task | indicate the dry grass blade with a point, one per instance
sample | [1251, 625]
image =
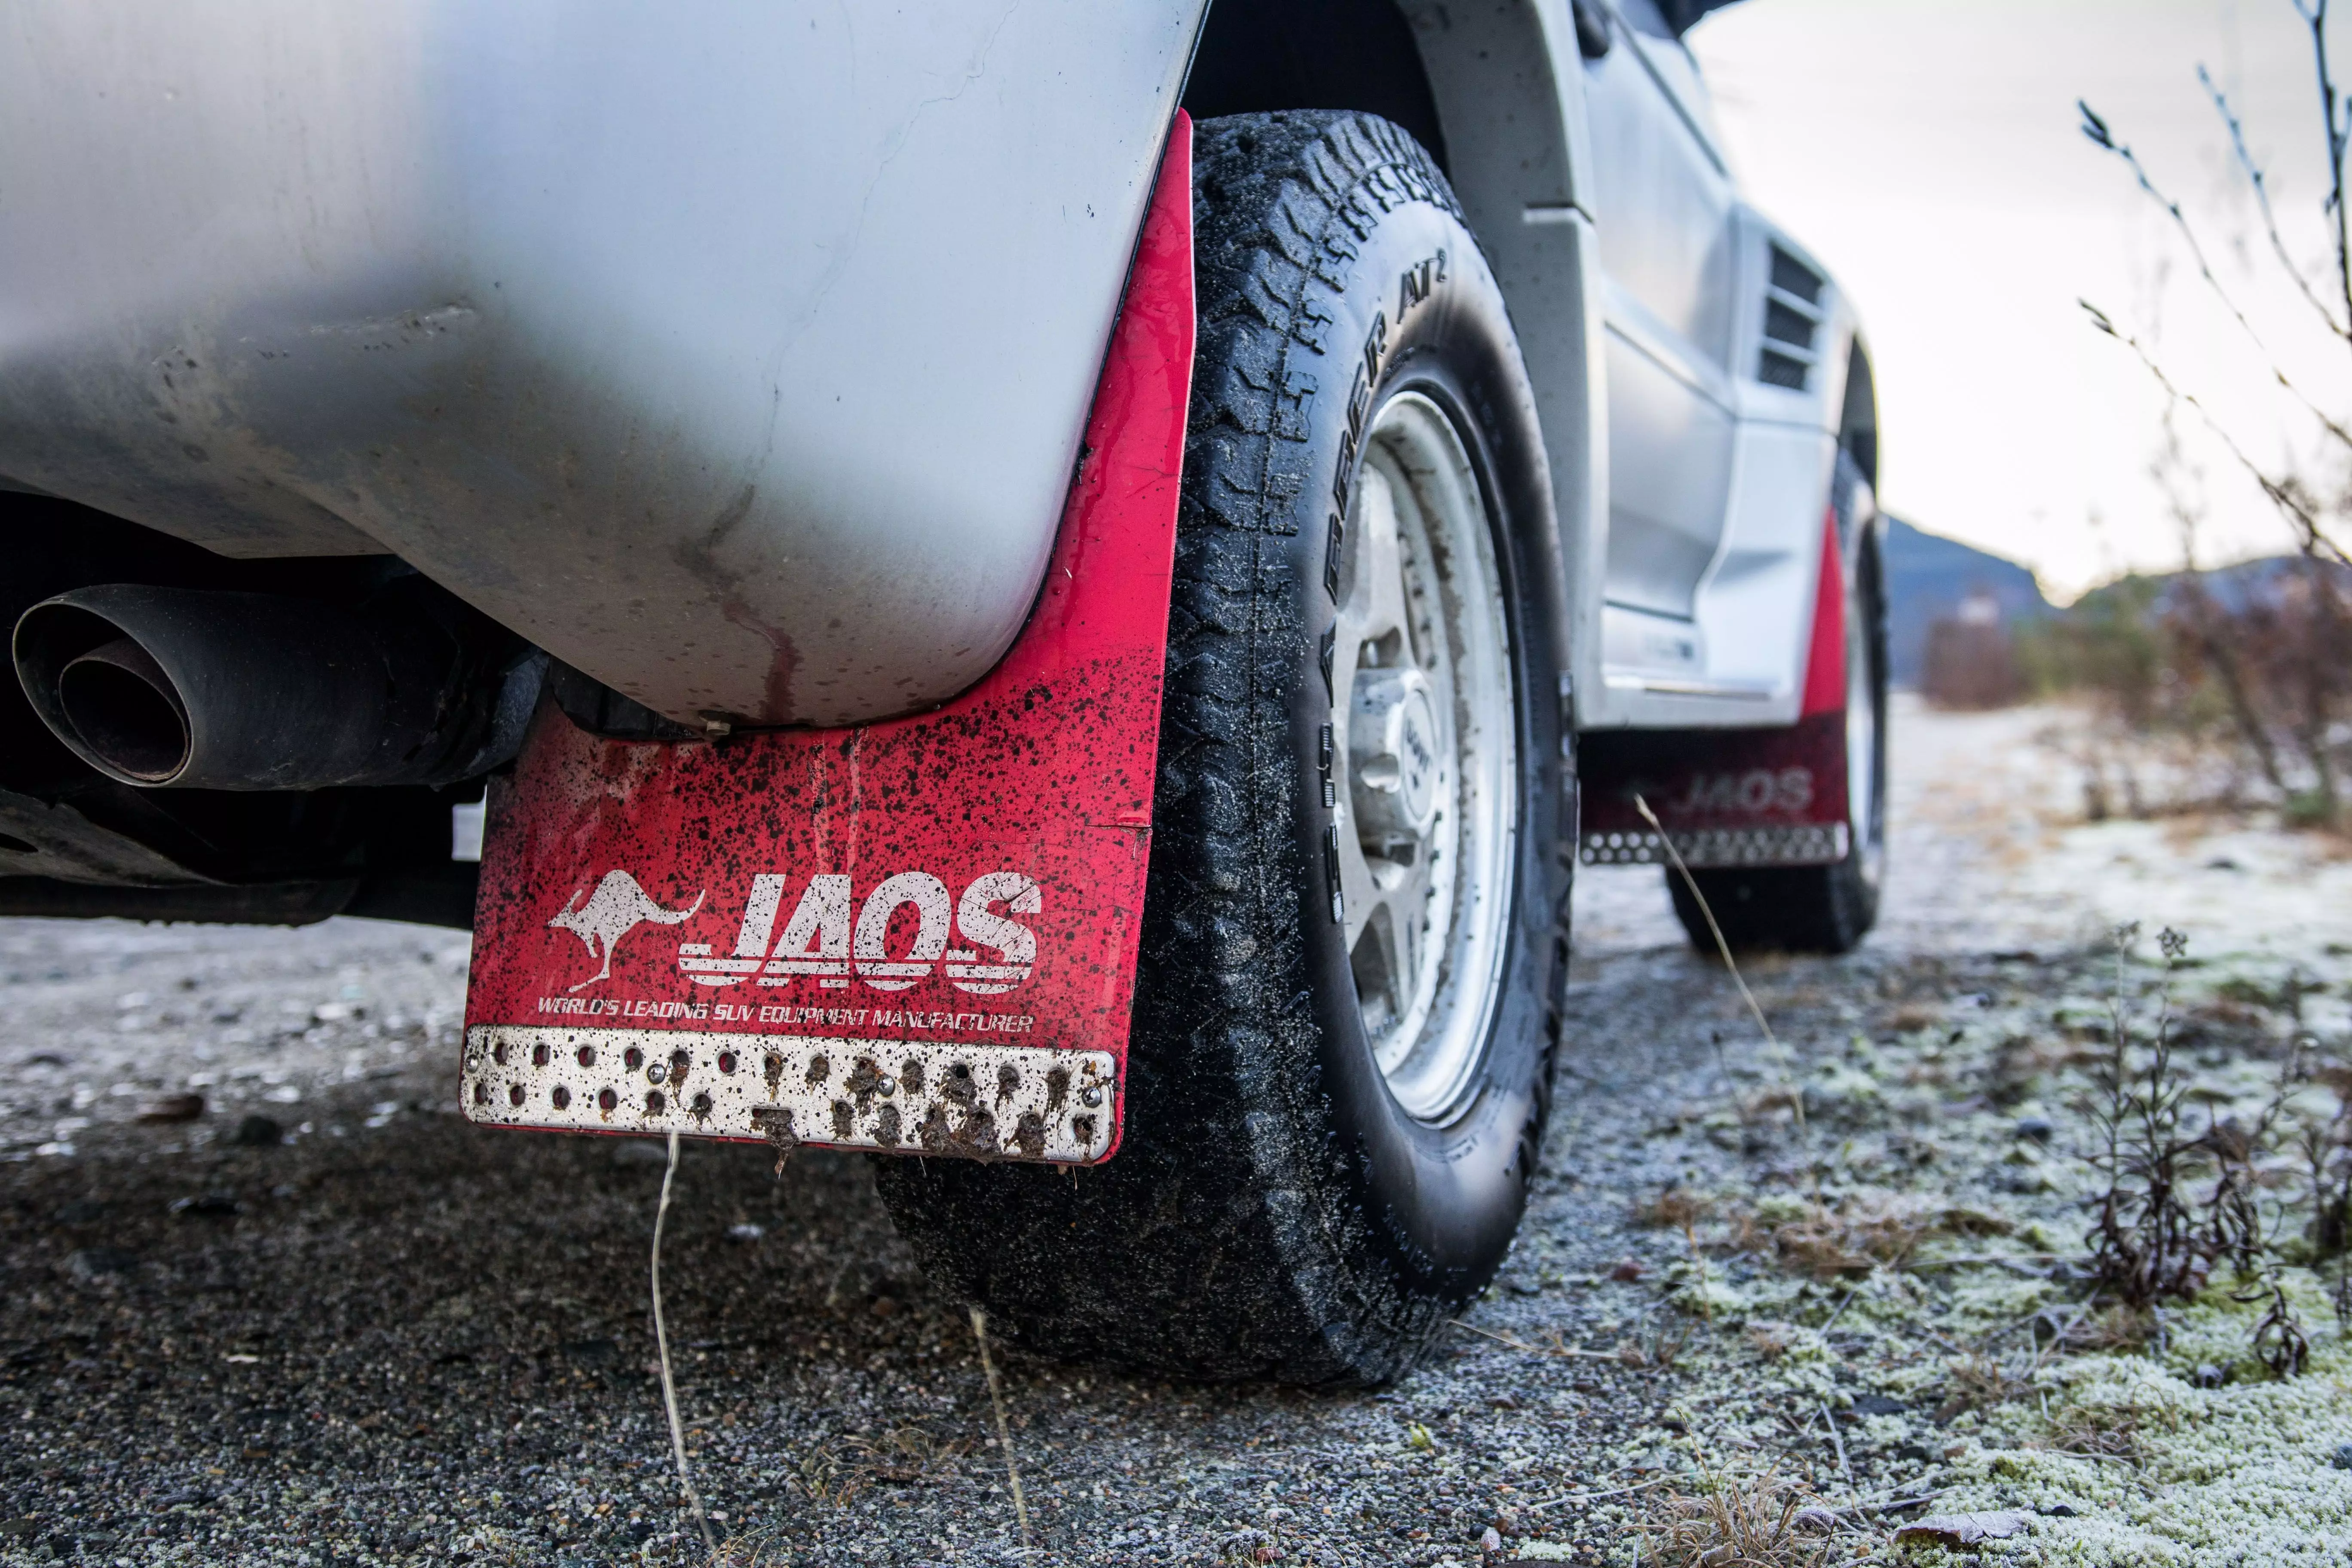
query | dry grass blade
[1859, 1233]
[661, 1344]
[1746, 1521]
[1856, 1238]
[1659, 1355]
[1003, 1428]
[2094, 1432]
[1667, 840]
[904, 1454]
[1978, 1383]
[1829, 1419]
[1677, 1208]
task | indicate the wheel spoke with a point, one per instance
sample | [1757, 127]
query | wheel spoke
[1418, 755]
[1375, 608]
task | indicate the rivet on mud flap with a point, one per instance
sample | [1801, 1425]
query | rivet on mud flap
[922, 931]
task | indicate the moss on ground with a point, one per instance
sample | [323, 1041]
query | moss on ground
[1908, 1262]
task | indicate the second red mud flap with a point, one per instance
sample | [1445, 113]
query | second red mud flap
[1733, 797]
[917, 935]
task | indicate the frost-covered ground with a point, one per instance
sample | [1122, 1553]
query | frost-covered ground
[1942, 1160]
[1901, 1268]
[393, 1337]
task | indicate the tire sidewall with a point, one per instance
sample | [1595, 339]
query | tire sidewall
[1862, 876]
[1445, 1199]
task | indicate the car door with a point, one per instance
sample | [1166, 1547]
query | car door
[1663, 210]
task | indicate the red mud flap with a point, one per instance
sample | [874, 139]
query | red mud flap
[917, 935]
[1733, 797]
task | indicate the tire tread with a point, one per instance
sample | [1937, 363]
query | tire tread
[1220, 1204]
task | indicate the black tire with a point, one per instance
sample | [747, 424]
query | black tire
[1273, 1213]
[1813, 909]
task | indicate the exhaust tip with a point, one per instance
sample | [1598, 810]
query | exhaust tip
[102, 694]
[126, 710]
[198, 688]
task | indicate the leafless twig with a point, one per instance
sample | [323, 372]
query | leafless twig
[2339, 136]
[2096, 130]
[2253, 172]
[2280, 493]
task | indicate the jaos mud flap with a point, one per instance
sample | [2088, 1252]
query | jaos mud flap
[917, 935]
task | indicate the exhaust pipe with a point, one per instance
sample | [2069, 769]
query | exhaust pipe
[179, 688]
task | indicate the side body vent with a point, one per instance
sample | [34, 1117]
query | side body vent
[1793, 322]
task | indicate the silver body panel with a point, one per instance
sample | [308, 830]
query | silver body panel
[736, 355]
[1718, 480]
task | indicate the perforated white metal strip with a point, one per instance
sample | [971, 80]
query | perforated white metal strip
[1803, 844]
[917, 1096]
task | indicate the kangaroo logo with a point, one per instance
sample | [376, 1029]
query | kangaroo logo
[616, 908]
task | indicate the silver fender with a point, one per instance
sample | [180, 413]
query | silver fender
[736, 354]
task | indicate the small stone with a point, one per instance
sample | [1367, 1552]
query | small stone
[257, 1132]
[2060, 1511]
[88, 1263]
[208, 1205]
[2039, 1129]
[1877, 1405]
[1491, 1544]
[883, 1307]
[2343, 1459]
[172, 1107]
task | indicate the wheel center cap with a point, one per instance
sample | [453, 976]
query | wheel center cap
[1416, 751]
[1396, 752]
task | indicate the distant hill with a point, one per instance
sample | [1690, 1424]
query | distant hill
[2231, 587]
[1928, 576]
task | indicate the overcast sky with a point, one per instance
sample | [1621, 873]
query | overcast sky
[1927, 150]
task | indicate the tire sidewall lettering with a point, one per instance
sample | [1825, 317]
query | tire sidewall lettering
[1448, 344]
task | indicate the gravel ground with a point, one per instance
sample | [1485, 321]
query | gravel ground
[381, 1335]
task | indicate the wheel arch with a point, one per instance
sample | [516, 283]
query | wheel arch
[1494, 89]
[1862, 530]
[1858, 410]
